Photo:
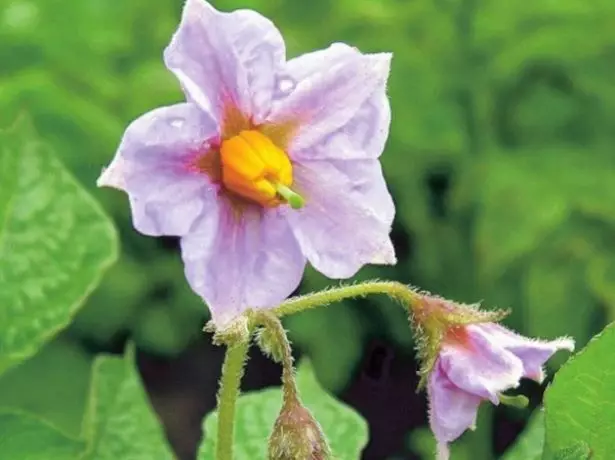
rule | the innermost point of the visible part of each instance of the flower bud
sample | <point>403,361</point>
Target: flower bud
<point>297,435</point>
<point>435,319</point>
<point>476,363</point>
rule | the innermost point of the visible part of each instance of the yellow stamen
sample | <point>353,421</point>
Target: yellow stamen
<point>254,168</point>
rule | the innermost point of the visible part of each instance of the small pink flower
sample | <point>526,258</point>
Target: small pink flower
<point>477,362</point>
<point>269,164</point>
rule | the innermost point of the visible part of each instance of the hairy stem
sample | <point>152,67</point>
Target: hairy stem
<point>275,327</point>
<point>232,371</point>
<point>397,291</point>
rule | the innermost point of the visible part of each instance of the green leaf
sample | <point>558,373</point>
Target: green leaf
<point>530,443</point>
<point>579,405</point>
<point>120,423</point>
<point>346,431</point>
<point>55,243</point>
<point>66,370</point>
<point>24,437</point>
<point>578,451</point>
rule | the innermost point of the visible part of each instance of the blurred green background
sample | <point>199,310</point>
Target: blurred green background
<point>500,157</point>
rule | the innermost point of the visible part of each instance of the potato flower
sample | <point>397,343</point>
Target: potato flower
<point>476,363</point>
<point>267,165</point>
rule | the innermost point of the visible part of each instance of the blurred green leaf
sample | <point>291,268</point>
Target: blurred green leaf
<point>422,442</point>
<point>518,209</point>
<point>111,308</point>
<point>26,437</point>
<point>66,370</point>
<point>546,226</point>
<point>601,281</point>
<point>120,423</point>
<point>162,329</point>
<point>167,323</point>
<point>529,444</point>
<point>555,287</point>
<point>345,430</point>
<point>579,403</point>
<point>332,337</point>
<point>527,195</point>
<point>55,243</point>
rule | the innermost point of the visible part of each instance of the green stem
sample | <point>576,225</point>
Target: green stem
<point>274,325</point>
<point>393,289</point>
<point>232,371</point>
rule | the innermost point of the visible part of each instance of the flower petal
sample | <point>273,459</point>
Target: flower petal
<point>451,410</point>
<point>367,129</point>
<point>235,265</point>
<point>337,91</point>
<point>151,165</point>
<point>368,185</point>
<point>346,221</point>
<point>532,353</point>
<point>482,366</point>
<point>226,58</point>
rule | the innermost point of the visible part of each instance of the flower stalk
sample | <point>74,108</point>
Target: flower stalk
<point>296,433</point>
<point>435,321</point>
<point>274,342</point>
<point>395,290</point>
<point>232,371</point>
<point>237,338</point>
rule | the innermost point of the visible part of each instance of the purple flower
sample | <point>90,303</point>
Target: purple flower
<point>269,164</point>
<point>477,362</point>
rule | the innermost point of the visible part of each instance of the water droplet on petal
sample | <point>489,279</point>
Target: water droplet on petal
<point>177,122</point>
<point>286,85</point>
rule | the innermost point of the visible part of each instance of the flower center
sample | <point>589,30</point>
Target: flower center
<point>254,168</point>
